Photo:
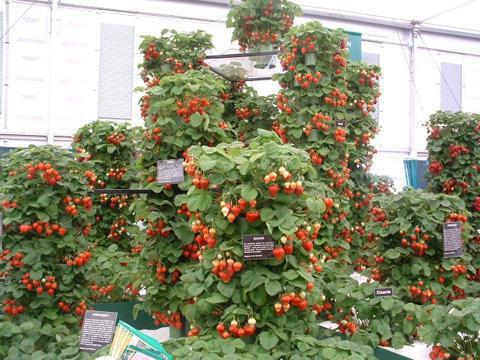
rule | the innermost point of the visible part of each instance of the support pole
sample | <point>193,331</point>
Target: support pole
<point>52,71</point>
<point>413,124</point>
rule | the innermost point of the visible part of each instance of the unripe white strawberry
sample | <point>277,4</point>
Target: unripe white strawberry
<point>225,211</point>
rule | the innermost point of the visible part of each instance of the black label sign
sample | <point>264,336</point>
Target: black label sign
<point>452,240</point>
<point>257,247</point>
<point>381,292</point>
<point>97,330</point>
<point>340,124</point>
<point>170,171</point>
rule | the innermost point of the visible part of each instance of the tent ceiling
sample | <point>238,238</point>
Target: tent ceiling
<point>453,14</point>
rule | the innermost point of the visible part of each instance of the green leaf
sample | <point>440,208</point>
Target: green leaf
<point>206,163</point>
<point>27,346</point>
<point>387,303</point>
<point>226,289</point>
<point>216,299</point>
<point>398,340</point>
<point>259,296</point>
<point>290,275</point>
<point>200,202</point>
<point>195,289</point>
<point>248,193</point>
<point>273,287</point>
<point>268,340</point>
<point>392,254</point>
<point>266,214</point>
<point>316,206</point>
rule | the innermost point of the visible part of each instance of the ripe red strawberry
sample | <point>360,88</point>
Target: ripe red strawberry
<point>308,245</point>
<point>328,203</point>
<point>273,190</point>
<point>220,328</point>
<point>236,210</point>
<point>279,253</point>
<point>242,203</point>
<point>252,216</point>
<point>288,249</point>
<point>24,228</point>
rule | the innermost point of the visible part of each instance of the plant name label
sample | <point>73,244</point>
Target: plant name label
<point>452,240</point>
<point>382,292</point>
<point>257,247</point>
<point>97,330</point>
<point>170,171</point>
<point>340,123</point>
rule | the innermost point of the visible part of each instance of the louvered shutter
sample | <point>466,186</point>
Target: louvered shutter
<point>116,72</point>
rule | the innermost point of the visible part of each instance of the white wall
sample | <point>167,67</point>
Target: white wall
<point>51,69</point>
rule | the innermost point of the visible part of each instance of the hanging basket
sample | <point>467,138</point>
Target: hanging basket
<point>264,61</point>
<point>310,59</point>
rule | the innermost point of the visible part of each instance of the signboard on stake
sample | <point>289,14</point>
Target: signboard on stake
<point>97,330</point>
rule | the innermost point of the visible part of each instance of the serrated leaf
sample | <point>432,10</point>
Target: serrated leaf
<point>268,340</point>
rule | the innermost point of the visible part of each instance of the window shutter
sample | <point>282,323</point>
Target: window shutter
<point>451,87</point>
<point>372,59</point>
<point>116,72</point>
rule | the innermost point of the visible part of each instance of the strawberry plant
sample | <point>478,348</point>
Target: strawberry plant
<point>368,319</point>
<point>47,217</point>
<point>110,149</point>
<point>183,110</point>
<point>272,307</point>
<point>260,24</point>
<point>172,52</point>
<point>405,231</point>
<point>453,330</point>
<point>40,338</point>
<point>453,157</point>
<point>246,111</point>
<point>325,105</point>
<point>211,348</point>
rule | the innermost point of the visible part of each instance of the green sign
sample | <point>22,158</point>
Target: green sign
<point>355,45</point>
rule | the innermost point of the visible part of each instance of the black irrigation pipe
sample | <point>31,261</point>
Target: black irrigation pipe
<point>122,191</point>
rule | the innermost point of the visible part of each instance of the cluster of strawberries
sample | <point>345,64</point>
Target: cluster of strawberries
<point>226,269</point>
<point>48,173</point>
<point>79,260</point>
<point>48,285</point>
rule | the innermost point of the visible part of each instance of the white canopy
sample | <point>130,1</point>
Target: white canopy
<point>460,15</point>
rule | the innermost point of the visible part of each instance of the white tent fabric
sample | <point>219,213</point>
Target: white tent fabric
<point>448,14</point>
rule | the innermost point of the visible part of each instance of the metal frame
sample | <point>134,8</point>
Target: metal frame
<point>240,55</point>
